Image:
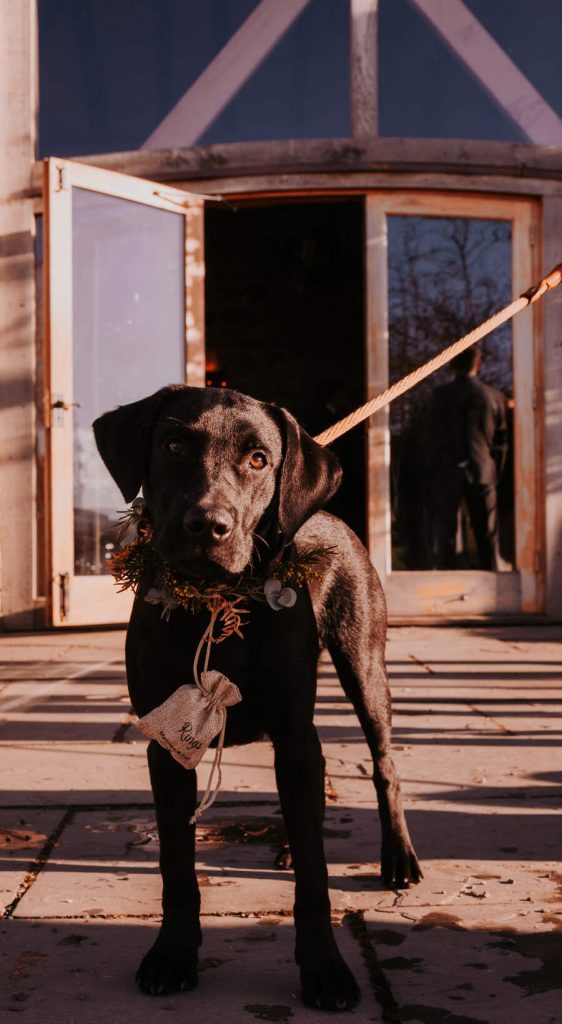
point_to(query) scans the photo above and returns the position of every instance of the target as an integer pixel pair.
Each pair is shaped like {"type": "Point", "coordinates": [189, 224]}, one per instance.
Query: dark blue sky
{"type": "Point", "coordinates": [110, 70]}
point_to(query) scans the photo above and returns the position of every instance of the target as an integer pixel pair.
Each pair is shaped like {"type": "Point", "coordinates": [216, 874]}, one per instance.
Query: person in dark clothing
{"type": "Point", "coordinates": [469, 448]}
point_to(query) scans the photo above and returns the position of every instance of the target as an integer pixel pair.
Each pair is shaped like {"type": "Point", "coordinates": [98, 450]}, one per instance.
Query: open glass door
{"type": "Point", "coordinates": [453, 537]}
{"type": "Point", "coordinates": [124, 315]}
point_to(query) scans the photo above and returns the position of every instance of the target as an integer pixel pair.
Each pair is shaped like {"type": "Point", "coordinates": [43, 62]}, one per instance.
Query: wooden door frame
{"type": "Point", "coordinates": [94, 600]}
{"type": "Point", "coordinates": [458, 593]}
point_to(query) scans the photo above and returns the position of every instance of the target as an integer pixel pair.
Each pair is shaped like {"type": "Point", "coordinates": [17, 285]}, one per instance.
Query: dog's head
{"type": "Point", "coordinates": [223, 475]}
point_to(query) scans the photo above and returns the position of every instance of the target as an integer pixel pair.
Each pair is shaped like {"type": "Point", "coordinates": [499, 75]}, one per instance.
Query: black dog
{"type": "Point", "coordinates": [229, 483]}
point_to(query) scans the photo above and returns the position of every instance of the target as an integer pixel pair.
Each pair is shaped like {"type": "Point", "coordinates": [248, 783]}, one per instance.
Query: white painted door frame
{"type": "Point", "coordinates": [89, 600]}
{"type": "Point", "coordinates": [459, 593]}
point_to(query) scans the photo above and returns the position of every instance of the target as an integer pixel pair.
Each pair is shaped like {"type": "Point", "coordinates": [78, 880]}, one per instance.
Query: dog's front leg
{"type": "Point", "coordinates": [171, 963]}
{"type": "Point", "coordinates": [327, 983]}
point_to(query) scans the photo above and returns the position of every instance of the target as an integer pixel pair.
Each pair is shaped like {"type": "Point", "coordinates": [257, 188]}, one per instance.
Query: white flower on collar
{"type": "Point", "coordinates": [163, 597]}
{"type": "Point", "coordinates": [278, 596]}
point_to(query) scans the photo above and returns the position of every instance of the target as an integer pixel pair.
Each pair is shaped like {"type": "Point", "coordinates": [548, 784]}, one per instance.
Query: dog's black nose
{"type": "Point", "coordinates": [206, 524]}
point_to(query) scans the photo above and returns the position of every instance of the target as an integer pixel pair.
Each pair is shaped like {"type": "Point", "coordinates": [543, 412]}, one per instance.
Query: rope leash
{"type": "Point", "coordinates": [342, 426]}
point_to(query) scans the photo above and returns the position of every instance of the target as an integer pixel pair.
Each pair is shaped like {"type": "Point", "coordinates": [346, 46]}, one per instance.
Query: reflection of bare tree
{"type": "Point", "coordinates": [445, 277]}
{"type": "Point", "coordinates": [96, 499]}
{"type": "Point", "coordinates": [94, 540]}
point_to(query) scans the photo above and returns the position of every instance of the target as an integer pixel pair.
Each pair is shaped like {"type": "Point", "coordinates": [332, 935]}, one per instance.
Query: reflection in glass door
{"type": "Point", "coordinates": [125, 317]}
{"type": "Point", "coordinates": [128, 340]}
{"type": "Point", "coordinates": [454, 523]}
{"type": "Point", "coordinates": [452, 436]}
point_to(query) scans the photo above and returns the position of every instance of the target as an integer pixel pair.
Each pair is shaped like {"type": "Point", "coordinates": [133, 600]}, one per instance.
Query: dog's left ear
{"type": "Point", "coordinates": [124, 438]}
{"type": "Point", "coordinates": [309, 476]}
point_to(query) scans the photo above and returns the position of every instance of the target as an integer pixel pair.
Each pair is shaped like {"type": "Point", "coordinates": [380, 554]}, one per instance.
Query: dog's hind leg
{"type": "Point", "coordinates": [357, 651]}
{"type": "Point", "coordinates": [171, 963]}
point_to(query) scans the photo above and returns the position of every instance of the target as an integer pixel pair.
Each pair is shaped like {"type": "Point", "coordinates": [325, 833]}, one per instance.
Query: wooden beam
{"type": "Point", "coordinates": [195, 295]}
{"type": "Point", "coordinates": [551, 311]}
{"type": "Point", "coordinates": [17, 316]}
{"type": "Point", "coordinates": [493, 69]}
{"type": "Point", "coordinates": [466, 158]}
{"type": "Point", "coordinates": [376, 365]}
{"type": "Point", "coordinates": [364, 85]}
{"type": "Point", "coordinates": [226, 74]}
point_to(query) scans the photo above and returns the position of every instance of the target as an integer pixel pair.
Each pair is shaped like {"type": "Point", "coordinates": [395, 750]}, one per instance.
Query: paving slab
{"type": "Point", "coordinates": [54, 772]}
{"type": "Point", "coordinates": [23, 835]}
{"type": "Point", "coordinates": [69, 774]}
{"type": "Point", "coordinates": [106, 864]}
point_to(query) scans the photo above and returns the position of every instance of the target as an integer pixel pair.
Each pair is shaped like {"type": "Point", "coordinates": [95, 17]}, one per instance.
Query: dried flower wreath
{"type": "Point", "coordinates": [138, 563]}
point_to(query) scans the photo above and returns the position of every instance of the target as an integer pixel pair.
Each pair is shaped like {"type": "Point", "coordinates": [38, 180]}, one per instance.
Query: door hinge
{"type": "Point", "coordinates": [533, 235]}
{"type": "Point", "coordinates": [534, 399]}
{"type": "Point", "coordinates": [172, 197]}
{"type": "Point", "coordinates": [538, 561]}
{"type": "Point", "coordinates": [64, 596]}
{"type": "Point", "coordinates": [47, 419]}
{"type": "Point", "coordinates": [63, 177]}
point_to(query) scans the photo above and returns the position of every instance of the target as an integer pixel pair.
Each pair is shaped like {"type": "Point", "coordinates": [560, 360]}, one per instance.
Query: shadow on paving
{"type": "Point", "coordinates": [411, 663]}
{"type": "Point", "coordinates": [430, 972]}
{"type": "Point", "coordinates": [441, 970]}
{"type": "Point", "coordinates": [41, 672]}
{"type": "Point", "coordinates": [487, 671]}
{"type": "Point", "coordinates": [64, 973]}
{"type": "Point", "coordinates": [498, 796]}
{"type": "Point", "coordinates": [519, 634]}
{"type": "Point", "coordinates": [67, 731]}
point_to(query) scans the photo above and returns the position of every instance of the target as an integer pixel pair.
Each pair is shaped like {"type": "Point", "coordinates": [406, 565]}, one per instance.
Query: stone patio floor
{"type": "Point", "coordinates": [477, 733]}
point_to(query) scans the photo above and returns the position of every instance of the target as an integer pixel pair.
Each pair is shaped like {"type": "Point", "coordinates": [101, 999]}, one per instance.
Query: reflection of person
{"type": "Point", "coordinates": [469, 442]}
{"type": "Point", "coordinates": [411, 481]}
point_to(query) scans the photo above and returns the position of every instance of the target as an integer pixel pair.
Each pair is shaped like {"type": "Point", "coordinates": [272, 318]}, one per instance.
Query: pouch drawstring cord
{"type": "Point", "coordinates": [209, 797]}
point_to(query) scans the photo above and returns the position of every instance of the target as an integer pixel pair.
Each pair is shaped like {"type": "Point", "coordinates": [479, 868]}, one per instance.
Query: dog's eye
{"type": "Point", "coordinates": [175, 447]}
{"type": "Point", "coordinates": [257, 460]}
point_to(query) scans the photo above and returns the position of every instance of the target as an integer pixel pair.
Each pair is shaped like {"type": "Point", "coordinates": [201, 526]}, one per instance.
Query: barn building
{"type": "Point", "coordinates": [302, 200]}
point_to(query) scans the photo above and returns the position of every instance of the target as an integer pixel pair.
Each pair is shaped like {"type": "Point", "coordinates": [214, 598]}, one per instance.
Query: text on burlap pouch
{"type": "Point", "coordinates": [189, 720]}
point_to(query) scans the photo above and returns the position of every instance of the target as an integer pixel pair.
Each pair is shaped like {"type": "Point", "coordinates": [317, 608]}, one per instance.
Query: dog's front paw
{"type": "Point", "coordinates": [164, 971]}
{"type": "Point", "coordinates": [399, 864]}
{"type": "Point", "coordinates": [330, 988]}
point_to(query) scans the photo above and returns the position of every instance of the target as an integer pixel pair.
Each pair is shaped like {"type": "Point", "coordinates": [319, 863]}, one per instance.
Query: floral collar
{"type": "Point", "coordinates": [138, 562]}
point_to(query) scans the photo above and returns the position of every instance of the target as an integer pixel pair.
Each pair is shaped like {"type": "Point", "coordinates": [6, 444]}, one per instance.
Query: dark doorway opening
{"type": "Point", "coordinates": [284, 318]}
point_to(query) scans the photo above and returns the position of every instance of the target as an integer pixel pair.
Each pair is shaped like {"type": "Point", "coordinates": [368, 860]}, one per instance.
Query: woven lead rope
{"type": "Point", "coordinates": [210, 794]}
{"type": "Point", "coordinates": [552, 280]}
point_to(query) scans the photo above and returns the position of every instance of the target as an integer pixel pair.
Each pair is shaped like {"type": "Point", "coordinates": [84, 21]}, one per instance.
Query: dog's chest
{"type": "Point", "coordinates": [266, 663]}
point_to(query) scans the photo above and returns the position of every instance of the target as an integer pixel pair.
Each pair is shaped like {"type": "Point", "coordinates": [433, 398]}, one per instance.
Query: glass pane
{"type": "Point", "coordinates": [301, 90]}
{"type": "Point", "coordinates": [128, 329]}
{"type": "Point", "coordinates": [110, 72]}
{"type": "Point", "coordinates": [452, 435]}
{"type": "Point", "coordinates": [426, 91]}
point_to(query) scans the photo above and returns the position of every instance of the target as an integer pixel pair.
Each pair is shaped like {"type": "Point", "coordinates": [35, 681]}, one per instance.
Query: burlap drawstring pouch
{"type": "Point", "coordinates": [187, 722]}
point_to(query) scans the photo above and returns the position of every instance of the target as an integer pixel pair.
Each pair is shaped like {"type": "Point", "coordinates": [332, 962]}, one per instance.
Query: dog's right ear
{"type": "Point", "coordinates": [310, 475]}
{"type": "Point", "coordinates": [124, 438]}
